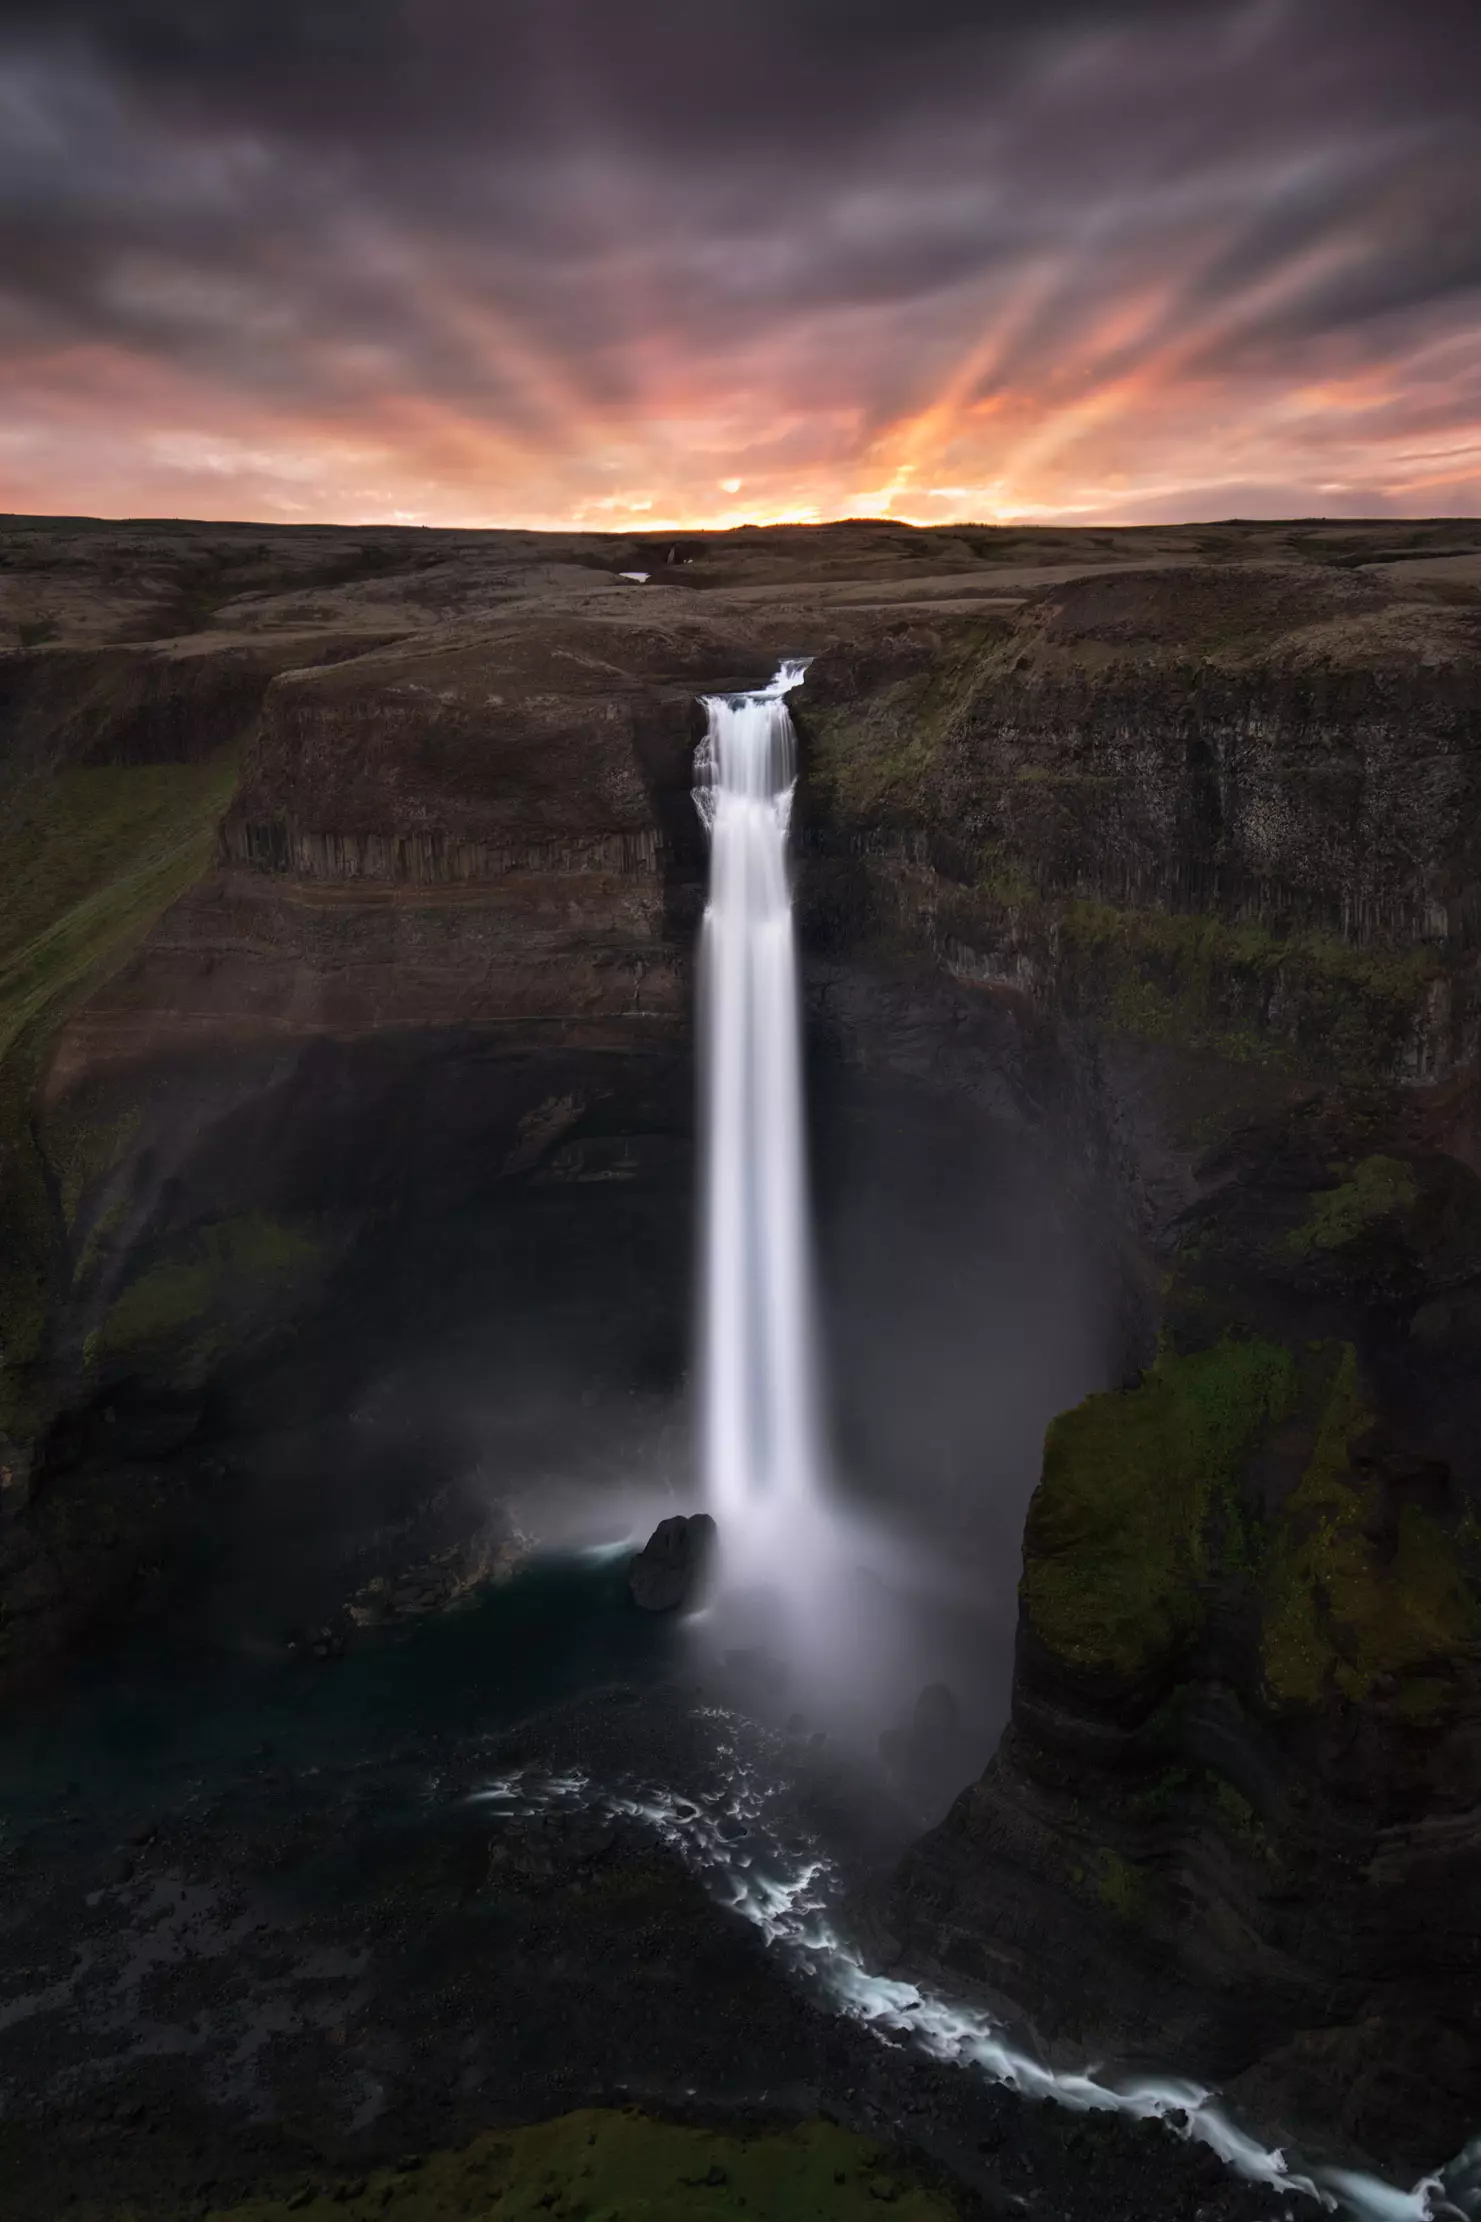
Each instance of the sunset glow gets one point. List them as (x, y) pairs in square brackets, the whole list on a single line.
[(960, 273)]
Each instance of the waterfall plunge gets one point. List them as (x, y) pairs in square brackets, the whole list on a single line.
[(800, 1571), (817, 1594), (761, 1445)]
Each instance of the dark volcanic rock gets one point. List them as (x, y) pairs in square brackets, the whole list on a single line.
[(462, 858), (1236, 1819), (1214, 837), (670, 1568)]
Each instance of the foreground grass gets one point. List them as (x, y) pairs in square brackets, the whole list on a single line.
[(600, 2166)]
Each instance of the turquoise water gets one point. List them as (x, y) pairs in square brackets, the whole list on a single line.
[(154, 1722)]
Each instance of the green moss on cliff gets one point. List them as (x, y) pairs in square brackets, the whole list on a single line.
[(221, 1278), (1164, 1795), (881, 764), (1242, 991), (1142, 1504), (84, 1141), (1002, 884), (1238, 1815), (90, 865), (1123, 1889), (880, 760), (1117, 1538), (89, 862), (1378, 1188), (1342, 1604), (1195, 1800), (618, 2167)]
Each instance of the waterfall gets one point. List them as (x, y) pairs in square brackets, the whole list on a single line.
[(760, 1440)]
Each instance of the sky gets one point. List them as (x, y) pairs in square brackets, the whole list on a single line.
[(620, 264)]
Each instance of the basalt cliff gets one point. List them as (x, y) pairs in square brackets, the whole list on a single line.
[(1215, 834), (352, 875)]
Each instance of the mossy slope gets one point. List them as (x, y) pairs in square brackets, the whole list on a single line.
[(90, 861), (601, 2166), (89, 864), (1144, 1506), (1349, 1595), (1117, 1540), (210, 1285), (1376, 1188)]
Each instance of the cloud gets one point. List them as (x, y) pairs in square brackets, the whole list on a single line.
[(476, 260)]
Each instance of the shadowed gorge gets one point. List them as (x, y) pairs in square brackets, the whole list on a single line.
[(349, 1155)]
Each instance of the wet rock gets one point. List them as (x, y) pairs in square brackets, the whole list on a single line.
[(552, 1850), (447, 1579), (670, 1569)]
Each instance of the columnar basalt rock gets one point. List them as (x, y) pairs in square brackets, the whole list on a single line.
[(1228, 811), (435, 835)]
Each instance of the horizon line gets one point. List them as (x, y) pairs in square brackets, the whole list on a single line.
[(727, 531)]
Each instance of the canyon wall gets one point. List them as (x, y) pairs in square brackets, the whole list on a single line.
[(1219, 835), (286, 889)]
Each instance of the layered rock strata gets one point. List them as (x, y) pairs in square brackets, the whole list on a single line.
[(1218, 834), (471, 847)]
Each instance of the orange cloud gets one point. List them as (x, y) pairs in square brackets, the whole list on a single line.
[(707, 265)]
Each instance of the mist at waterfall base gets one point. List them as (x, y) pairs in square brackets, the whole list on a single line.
[(868, 1549)]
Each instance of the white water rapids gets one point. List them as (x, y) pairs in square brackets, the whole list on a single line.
[(740, 1843), (764, 1472)]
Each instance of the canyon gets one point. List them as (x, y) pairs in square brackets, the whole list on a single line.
[(346, 1055)]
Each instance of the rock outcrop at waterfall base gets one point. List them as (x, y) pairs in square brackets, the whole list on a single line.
[(670, 1570), (323, 840)]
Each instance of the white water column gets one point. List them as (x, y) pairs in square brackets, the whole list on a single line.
[(760, 1431)]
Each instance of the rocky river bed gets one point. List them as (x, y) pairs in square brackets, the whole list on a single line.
[(266, 1930)]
